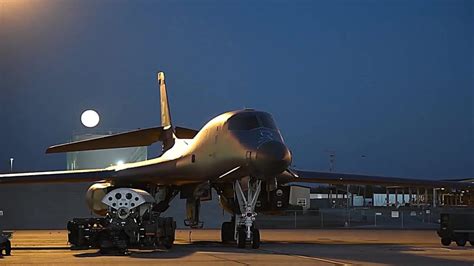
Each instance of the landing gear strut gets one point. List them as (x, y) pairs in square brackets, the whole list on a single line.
[(245, 230)]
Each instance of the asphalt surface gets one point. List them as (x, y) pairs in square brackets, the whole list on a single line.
[(279, 247)]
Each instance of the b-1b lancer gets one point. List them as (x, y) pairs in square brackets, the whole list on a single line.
[(241, 154)]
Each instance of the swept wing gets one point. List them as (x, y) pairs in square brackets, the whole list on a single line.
[(294, 175)]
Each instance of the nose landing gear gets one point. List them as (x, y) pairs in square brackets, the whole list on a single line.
[(245, 230)]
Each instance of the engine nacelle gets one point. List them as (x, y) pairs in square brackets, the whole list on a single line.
[(94, 196)]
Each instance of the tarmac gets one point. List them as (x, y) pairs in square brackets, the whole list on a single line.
[(279, 247)]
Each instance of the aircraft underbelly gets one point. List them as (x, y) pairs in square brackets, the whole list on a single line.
[(165, 173)]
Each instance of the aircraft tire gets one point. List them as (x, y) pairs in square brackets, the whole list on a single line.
[(445, 241), (241, 237), (8, 248), (168, 243), (227, 232), (461, 242), (255, 238)]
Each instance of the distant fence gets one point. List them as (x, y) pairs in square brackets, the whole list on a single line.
[(401, 218)]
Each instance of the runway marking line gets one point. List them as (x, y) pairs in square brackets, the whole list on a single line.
[(334, 262)]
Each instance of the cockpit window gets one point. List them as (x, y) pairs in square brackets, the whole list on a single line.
[(243, 121), (267, 121), (248, 121)]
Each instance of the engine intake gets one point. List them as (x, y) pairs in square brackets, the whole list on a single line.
[(124, 201)]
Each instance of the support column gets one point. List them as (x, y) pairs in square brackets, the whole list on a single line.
[(347, 196), (387, 200), (418, 196), (352, 196), (403, 196), (365, 194), (434, 197), (410, 197), (438, 198), (396, 197), (425, 200), (330, 198)]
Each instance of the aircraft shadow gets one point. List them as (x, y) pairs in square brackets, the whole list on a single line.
[(341, 251)]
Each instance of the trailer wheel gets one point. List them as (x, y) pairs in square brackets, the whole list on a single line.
[(445, 241), (168, 243), (461, 242), (8, 248)]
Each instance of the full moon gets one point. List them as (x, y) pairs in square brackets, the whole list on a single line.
[(90, 118)]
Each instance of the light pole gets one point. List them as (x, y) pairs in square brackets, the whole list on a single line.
[(363, 156), (11, 164), (332, 159)]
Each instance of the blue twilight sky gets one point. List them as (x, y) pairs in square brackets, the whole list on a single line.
[(391, 80)]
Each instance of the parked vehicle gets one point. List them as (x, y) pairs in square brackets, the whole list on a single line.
[(457, 227), (5, 244)]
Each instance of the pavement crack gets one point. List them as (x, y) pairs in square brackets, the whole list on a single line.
[(226, 259)]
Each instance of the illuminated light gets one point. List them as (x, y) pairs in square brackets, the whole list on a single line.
[(90, 118), (120, 162), (279, 192), (229, 172), (161, 75)]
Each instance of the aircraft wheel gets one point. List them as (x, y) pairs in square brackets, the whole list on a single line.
[(255, 238), (227, 232), (168, 243), (241, 237), (445, 241), (8, 248), (461, 242), (106, 246)]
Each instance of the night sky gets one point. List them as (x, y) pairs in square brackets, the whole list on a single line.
[(387, 85)]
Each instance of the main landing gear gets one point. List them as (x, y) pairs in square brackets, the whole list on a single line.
[(242, 228)]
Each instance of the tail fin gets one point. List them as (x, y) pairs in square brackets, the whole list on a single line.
[(165, 109), (168, 132)]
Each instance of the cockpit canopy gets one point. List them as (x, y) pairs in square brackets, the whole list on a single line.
[(251, 120)]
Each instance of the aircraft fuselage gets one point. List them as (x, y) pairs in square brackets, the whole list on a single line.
[(232, 145)]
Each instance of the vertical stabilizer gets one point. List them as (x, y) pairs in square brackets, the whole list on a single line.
[(168, 138), (165, 109)]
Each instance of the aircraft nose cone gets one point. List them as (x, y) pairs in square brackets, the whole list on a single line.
[(273, 157)]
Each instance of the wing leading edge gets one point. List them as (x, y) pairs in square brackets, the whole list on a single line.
[(136, 138), (294, 175), (74, 176)]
